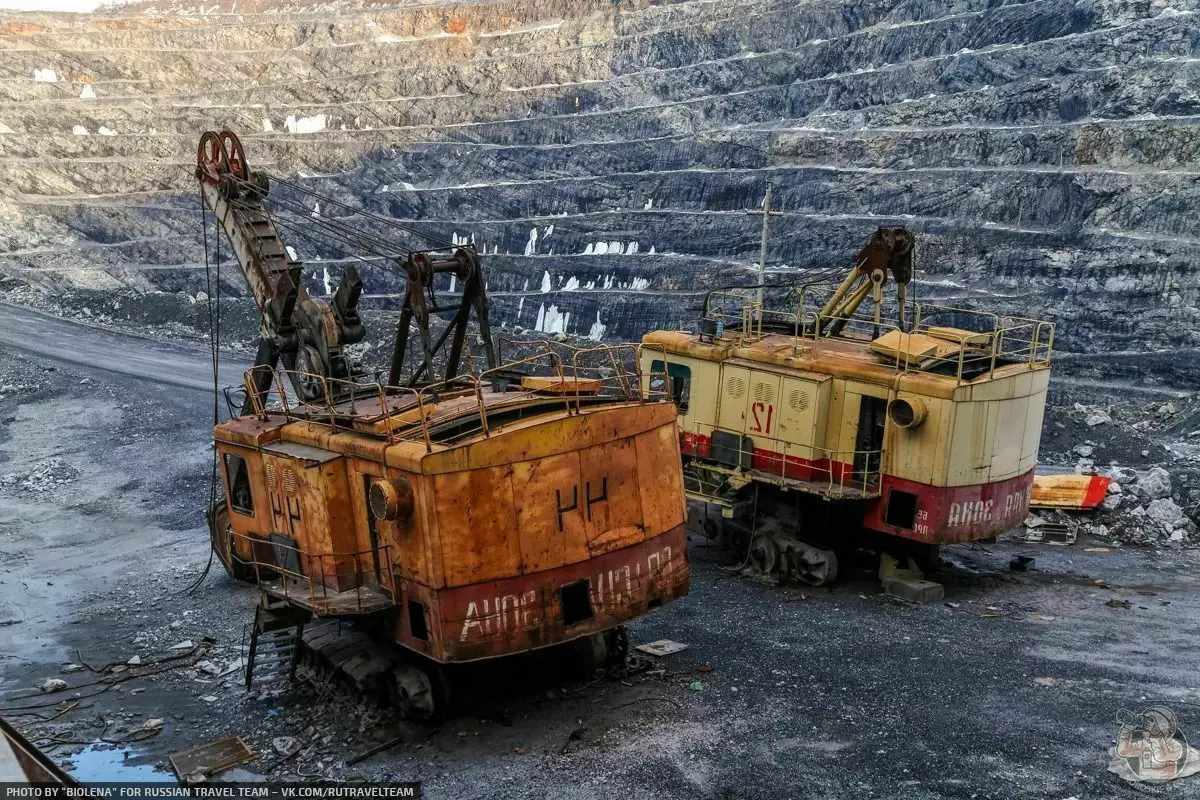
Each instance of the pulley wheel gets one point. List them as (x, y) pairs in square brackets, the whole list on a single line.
[(309, 375)]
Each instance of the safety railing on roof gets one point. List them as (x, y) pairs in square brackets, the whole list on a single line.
[(986, 341), (326, 583), (554, 372), (831, 472)]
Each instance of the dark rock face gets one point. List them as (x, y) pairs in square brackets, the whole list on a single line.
[(1045, 153)]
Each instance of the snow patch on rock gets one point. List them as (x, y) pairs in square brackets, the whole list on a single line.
[(312, 124), (551, 320)]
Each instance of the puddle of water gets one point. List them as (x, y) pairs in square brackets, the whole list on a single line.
[(102, 763)]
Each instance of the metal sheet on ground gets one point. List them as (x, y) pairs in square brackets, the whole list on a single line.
[(212, 757), (662, 647)]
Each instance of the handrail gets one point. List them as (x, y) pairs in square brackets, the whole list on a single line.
[(377, 558), (1009, 339), (616, 369), (831, 470)]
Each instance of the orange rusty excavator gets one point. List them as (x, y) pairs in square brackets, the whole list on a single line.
[(455, 518)]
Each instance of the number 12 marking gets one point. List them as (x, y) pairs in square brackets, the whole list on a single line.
[(768, 410)]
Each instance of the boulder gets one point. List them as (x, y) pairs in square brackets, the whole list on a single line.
[(1166, 514), (1154, 484)]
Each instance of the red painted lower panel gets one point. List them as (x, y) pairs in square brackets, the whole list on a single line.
[(944, 514), (526, 612)]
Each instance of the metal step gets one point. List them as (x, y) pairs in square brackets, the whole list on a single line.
[(274, 636)]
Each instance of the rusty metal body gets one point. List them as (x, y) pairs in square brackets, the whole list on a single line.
[(490, 513), (928, 434), (484, 520)]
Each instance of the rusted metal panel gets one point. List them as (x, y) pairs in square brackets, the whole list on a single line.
[(526, 612), (566, 385), (839, 358), (300, 452), (955, 513), (477, 519), (660, 484), (250, 431), (1078, 492), (549, 526), (610, 504), (211, 758), (550, 434), (912, 347)]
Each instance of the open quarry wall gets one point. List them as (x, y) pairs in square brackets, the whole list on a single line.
[(603, 154)]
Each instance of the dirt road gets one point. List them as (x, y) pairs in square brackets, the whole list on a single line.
[(1010, 689)]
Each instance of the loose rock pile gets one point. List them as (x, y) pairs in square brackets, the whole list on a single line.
[(44, 477), (1141, 510)]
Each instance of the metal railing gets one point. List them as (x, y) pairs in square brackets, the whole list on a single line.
[(838, 473), (987, 341), (578, 377), (299, 576)]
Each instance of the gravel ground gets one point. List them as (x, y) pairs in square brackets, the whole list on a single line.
[(1009, 689)]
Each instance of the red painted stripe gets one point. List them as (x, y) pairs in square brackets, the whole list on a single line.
[(774, 462)]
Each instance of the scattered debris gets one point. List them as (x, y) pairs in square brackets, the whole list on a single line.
[(696, 686), (203, 761), (1039, 530), (285, 745), (1115, 603), (153, 724), (53, 685), (379, 748), (1021, 564), (662, 647), (67, 669)]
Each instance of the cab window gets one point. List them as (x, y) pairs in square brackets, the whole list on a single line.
[(681, 382), (237, 479)]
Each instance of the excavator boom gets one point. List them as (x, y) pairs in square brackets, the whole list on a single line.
[(304, 333)]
